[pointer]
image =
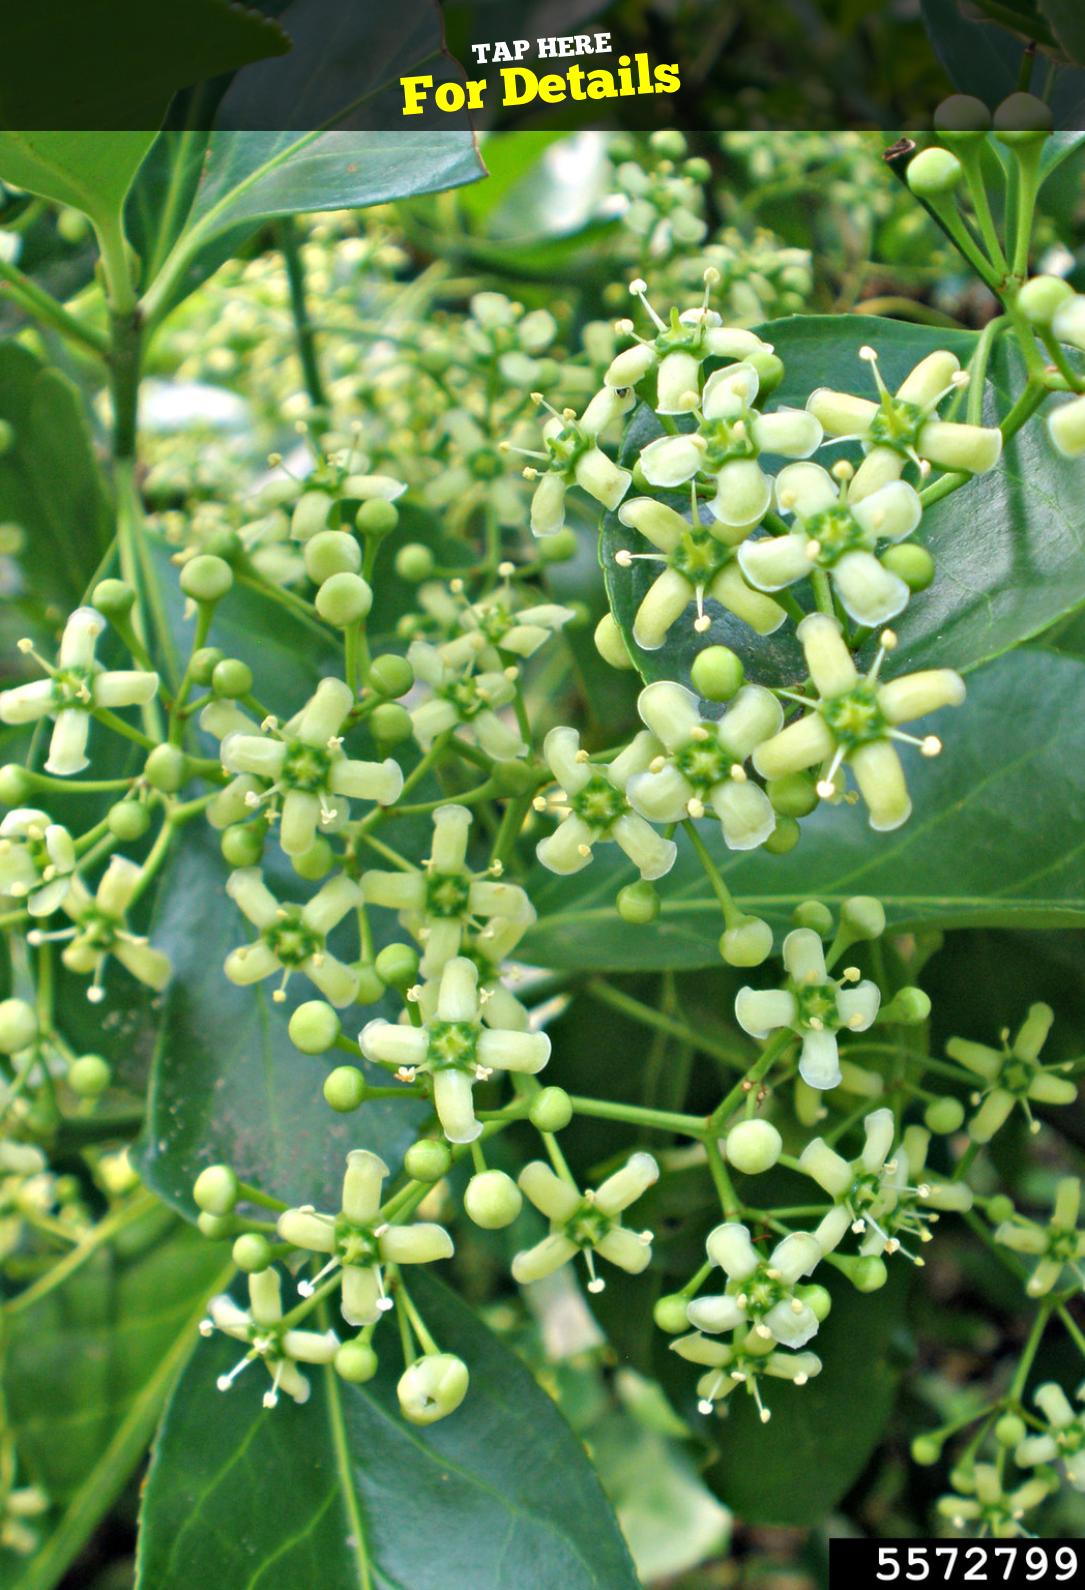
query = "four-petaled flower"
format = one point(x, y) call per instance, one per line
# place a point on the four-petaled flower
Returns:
point(703, 764)
point(855, 720)
point(100, 930)
point(762, 1290)
point(982, 1500)
point(440, 904)
point(598, 807)
point(831, 532)
point(679, 350)
point(742, 1362)
point(1056, 1246)
point(905, 426)
point(700, 562)
point(1064, 1439)
point(360, 1241)
point(37, 859)
point(463, 699)
point(305, 764)
point(261, 1327)
point(573, 456)
point(812, 1005)
point(76, 687)
point(455, 1049)
point(587, 1223)
point(495, 623)
point(292, 937)
point(1013, 1074)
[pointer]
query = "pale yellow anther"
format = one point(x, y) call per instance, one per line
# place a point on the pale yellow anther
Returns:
point(511, 672)
point(888, 639)
point(812, 548)
point(852, 974)
point(842, 470)
point(657, 764)
point(738, 773)
point(695, 807)
point(539, 803)
point(857, 1022)
point(456, 586)
point(506, 571)
point(582, 756)
point(583, 850)
point(702, 624)
point(691, 399)
point(623, 558)
point(699, 732)
point(816, 1024)
point(786, 499)
point(931, 745)
point(529, 472)
point(25, 645)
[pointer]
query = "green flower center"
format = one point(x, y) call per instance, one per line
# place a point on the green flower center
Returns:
point(73, 687)
point(681, 337)
point(599, 804)
point(566, 447)
point(704, 763)
point(447, 894)
point(98, 929)
point(1017, 1077)
point(817, 1006)
point(855, 716)
point(836, 530)
point(1062, 1244)
point(495, 622)
point(897, 424)
point(588, 1226)
point(464, 696)
point(290, 941)
point(355, 1244)
point(452, 1046)
point(486, 465)
point(727, 440)
point(699, 557)
point(305, 767)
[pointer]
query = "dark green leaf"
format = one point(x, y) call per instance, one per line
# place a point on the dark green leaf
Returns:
point(985, 845)
point(89, 1366)
point(343, 1492)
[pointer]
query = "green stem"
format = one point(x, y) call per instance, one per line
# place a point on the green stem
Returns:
point(640, 1115)
point(295, 276)
point(34, 300)
point(731, 913)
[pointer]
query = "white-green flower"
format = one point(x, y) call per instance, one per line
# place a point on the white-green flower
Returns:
point(455, 1049)
point(304, 765)
point(1013, 1074)
point(292, 937)
point(497, 623)
point(75, 688)
point(702, 765)
point(1064, 1439)
point(904, 426)
point(698, 563)
point(573, 457)
point(280, 1348)
point(1056, 1246)
point(679, 350)
point(726, 448)
point(830, 532)
point(101, 931)
point(432, 1387)
point(855, 720)
point(762, 1290)
point(587, 1223)
point(983, 1506)
point(360, 1241)
point(743, 1362)
point(27, 1191)
point(37, 859)
point(598, 809)
point(813, 1005)
point(439, 904)
point(463, 699)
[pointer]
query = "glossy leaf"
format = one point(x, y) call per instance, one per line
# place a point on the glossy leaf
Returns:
point(344, 1492)
point(89, 1366)
point(985, 845)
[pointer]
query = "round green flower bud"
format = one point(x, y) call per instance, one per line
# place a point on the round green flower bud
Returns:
point(204, 663)
point(166, 769)
point(390, 675)
point(1040, 297)
point(216, 1190)
point(813, 914)
point(377, 517)
point(558, 548)
point(316, 862)
point(215, 1227)
point(242, 844)
point(356, 1362)
point(252, 1252)
point(753, 1146)
point(492, 1200)
point(514, 778)
point(926, 1451)
point(669, 143)
point(414, 562)
point(962, 113)
point(344, 1089)
point(863, 917)
point(551, 1110)
point(314, 1027)
point(89, 1075)
point(428, 1159)
point(908, 1006)
point(748, 943)
point(128, 820)
point(999, 1208)
point(670, 1314)
point(911, 563)
point(391, 724)
point(817, 1300)
point(697, 169)
point(113, 598)
point(370, 987)
point(343, 600)
point(16, 784)
point(432, 1387)
point(770, 370)
point(934, 173)
point(610, 645)
point(331, 552)
point(206, 578)
point(18, 1025)
point(717, 673)
point(638, 903)
point(1010, 1429)
point(868, 1274)
point(792, 794)
point(784, 837)
point(1022, 119)
point(231, 678)
point(397, 966)
point(944, 1116)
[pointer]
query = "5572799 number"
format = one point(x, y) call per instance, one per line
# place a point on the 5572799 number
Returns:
point(943, 1562)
